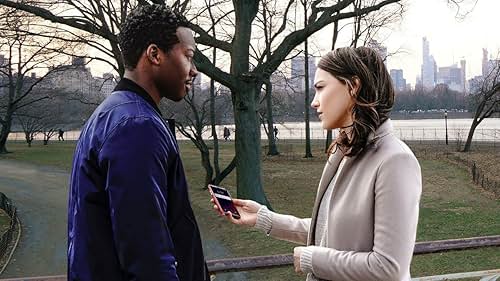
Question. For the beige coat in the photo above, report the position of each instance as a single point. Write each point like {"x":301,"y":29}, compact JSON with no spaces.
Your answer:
{"x":372,"y":219}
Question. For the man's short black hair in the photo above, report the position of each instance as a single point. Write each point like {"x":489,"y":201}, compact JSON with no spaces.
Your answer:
{"x":145,"y":25}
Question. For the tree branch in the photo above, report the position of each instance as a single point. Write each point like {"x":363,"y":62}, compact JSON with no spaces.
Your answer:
{"x":205,"y":66}
{"x":81,"y":24}
{"x":206,"y":39}
{"x":330,"y":15}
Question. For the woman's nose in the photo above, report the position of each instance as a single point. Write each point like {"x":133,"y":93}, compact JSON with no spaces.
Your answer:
{"x":315,"y":103}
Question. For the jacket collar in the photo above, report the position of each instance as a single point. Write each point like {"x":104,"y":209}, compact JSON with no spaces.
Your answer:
{"x":383,"y":130}
{"x":130,"y":86}
{"x":329,"y":171}
{"x":331,"y":167}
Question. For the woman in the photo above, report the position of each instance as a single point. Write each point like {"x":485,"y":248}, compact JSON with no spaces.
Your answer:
{"x":364,"y":219}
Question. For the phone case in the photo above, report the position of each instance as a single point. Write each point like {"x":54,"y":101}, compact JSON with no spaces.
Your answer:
{"x":235,"y":214}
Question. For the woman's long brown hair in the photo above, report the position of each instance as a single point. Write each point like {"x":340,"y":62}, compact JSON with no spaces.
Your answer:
{"x":373,"y":100}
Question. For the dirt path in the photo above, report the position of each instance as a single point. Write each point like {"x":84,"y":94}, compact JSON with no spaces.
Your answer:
{"x":40,"y":195}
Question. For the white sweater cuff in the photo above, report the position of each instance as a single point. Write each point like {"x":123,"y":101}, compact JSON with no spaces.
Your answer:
{"x":264,"y":220}
{"x":306,"y":260}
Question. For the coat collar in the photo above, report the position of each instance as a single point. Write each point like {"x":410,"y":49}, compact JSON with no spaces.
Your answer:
{"x":329,"y":171}
{"x":383,"y":130}
{"x":331,"y":167}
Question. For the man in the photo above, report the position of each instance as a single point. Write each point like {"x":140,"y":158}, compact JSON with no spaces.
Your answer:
{"x":226,"y":133}
{"x":129,"y":215}
{"x":61,"y":135}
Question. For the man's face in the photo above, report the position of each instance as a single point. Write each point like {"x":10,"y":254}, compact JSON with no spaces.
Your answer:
{"x":177,"y":70}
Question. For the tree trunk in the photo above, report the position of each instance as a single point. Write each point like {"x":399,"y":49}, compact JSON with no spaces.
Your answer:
{"x":245,"y":93}
{"x":272,"y":149}
{"x":328,"y":141}
{"x":225,"y":172}
{"x":212,"y":120}
{"x":4,"y":134}
{"x":205,"y":162}
{"x":308,"y":153}
{"x":248,"y":171}
{"x":306,"y":82}
{"x":468,"y":143}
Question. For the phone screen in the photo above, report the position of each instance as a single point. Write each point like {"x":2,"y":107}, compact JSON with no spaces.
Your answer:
{"x":226,"y":203}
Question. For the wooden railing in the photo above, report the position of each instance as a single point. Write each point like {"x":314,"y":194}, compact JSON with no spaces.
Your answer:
{"x":266,"y":262}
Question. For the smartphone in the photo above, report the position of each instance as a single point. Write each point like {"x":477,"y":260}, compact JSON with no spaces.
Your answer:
{"x":223,"y":200}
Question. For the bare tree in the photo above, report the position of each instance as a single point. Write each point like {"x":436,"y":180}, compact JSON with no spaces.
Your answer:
{"x":307,"y":88}
{"x":25,"y":56}
{"x":485,"y":99}
{"x":50,"y":119}
{"x":269,"y":14}
{"x":193,"y":120}
{"x":245,"y":83}
{"x":30,"y":125}
{"x":44,"y":117}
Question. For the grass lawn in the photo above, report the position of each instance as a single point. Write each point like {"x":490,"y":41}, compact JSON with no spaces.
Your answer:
{"x":451,"y":206}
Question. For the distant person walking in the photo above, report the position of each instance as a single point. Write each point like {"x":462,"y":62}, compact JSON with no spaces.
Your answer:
{"x":61,"y":135}
{"x":275,"y":133}
{"x":227,"y":133}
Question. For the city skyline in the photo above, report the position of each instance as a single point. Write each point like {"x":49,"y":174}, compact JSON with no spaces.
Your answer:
{"x":450,"y":40}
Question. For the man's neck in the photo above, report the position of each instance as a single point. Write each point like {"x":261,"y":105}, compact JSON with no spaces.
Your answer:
{"x":144,"y":82}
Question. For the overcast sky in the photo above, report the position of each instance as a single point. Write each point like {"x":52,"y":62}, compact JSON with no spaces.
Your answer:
{"x":449,"y":38}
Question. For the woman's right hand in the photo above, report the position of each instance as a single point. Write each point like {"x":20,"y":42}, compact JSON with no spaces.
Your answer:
{"x":248,"y":211}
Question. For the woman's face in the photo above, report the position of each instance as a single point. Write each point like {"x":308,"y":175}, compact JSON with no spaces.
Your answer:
{"x":332,"y":101}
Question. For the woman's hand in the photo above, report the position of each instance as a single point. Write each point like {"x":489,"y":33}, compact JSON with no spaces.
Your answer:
{"x":248,"y":211}
{"x":297,"y":251}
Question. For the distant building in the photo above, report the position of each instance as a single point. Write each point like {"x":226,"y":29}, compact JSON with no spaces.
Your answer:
{"x":428,"y":68}
{"x":490,"y":73}
{"x":489,"y":65}
{"x":298,"y":71}
{"x":453,"y":77}
{"x":418,"y":84}
{"x":475,"y":84}
{"x":75,"y":78}
{"x":107,"y":84}
{"x":464,"y":77}
{"x":398,"y":80}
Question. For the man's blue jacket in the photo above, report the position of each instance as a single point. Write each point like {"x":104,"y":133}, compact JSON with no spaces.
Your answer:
{"x":129,"y":215}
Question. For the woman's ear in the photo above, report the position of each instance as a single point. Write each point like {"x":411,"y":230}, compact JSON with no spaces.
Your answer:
{"x":356,"y":85}
{"x":153,"y":54}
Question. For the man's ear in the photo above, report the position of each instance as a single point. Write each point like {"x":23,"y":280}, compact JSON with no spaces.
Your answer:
{"x":153,"y":54}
